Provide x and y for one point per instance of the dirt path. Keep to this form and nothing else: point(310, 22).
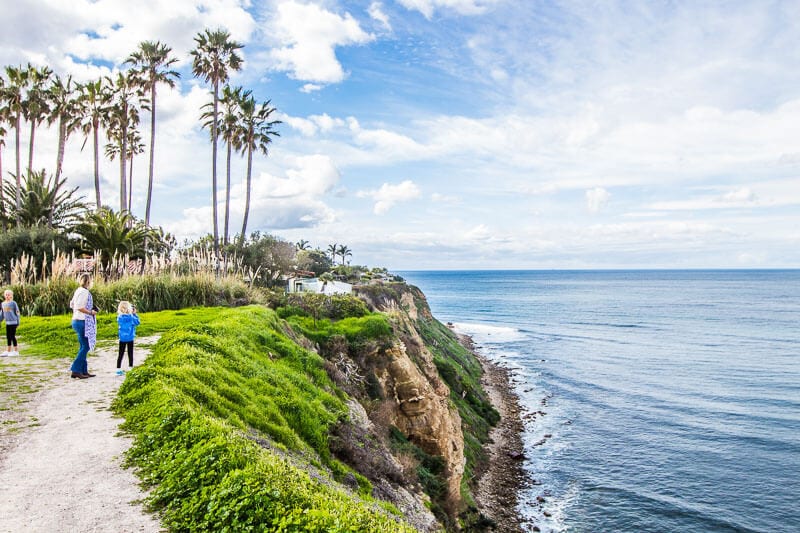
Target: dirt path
point(61, 449)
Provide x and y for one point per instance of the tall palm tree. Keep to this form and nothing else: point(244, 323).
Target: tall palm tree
point(3, 134)
point(2, 145)
point(302, 244)
point(124, 116)
point(215, 55)
point(344, 252)
point(13, 95)
point(228, 130)
point(36, 107)
point(63, 97)
point(64, 111)
point(333, 250)
point(151, 63)
point(135, 147)
point(94, 104)
point(257, 131)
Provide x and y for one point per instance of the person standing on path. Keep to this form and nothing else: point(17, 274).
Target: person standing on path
point(85, 326)
point(127, 319)
point(10, 313)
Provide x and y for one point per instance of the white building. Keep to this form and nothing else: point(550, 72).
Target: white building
point(318, 286)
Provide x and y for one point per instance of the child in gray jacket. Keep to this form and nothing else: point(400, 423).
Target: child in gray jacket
point(10, 313)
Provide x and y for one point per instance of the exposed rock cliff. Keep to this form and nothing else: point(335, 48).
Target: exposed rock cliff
point(401, 384)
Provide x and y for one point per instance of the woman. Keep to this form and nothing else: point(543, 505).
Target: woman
point(83, 322)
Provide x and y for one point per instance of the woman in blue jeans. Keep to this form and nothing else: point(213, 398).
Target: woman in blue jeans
point(85, 326)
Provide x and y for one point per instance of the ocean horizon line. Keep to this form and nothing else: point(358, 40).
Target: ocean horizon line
point(699, 269)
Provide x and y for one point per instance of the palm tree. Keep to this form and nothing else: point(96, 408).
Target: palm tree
point(151, 63)
point(12, 97)
point(135, 147)
point(112, 233)
point(214, 56)
point(257, 132)
point(333, 250)
point(2, 145)
point(94, 102)
point(228, 129)
point(302, 244)
point(124, 116)
point(344, 252)
point(45, 202)
point(3, 134)
point(35, 107)
point(64, 111)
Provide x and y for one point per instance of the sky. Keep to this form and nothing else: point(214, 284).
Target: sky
point(468, 134)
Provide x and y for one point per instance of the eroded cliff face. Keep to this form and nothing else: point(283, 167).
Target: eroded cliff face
point(416, 400)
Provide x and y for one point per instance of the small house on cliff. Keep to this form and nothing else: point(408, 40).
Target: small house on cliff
point(316, 285)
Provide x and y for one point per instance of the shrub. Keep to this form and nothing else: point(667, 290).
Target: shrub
point(148, 293)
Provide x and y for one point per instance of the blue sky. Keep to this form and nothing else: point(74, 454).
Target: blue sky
point(472, 133)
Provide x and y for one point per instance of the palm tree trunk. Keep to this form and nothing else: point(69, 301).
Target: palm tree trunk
point(214, 171)
point(97, 168)
point(17, 125)
point(152, 152)
point(62, 141)
point(247, 193)
point(30, 147)
point(130, 183)
point(123, 152)
point(227, 193)
point(2, 196)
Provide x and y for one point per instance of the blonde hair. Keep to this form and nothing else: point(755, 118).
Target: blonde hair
point(8, 292)
point(124, 308)
point(85, 280)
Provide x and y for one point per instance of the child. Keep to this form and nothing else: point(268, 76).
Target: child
point(127, 320)
point(10, 313)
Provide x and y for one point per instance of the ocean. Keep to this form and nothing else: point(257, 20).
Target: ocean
point(655, 400)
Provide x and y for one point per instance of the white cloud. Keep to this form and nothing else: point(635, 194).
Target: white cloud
point(313, 174)
point(445, 198)
point(65, 33)
point(462, 7)
point(309, 36)
point(315, 124)
point(277, 203)
point(376, 12)
point(743, 194)
point(389, 195)
point(596, 199)
point(311, 87)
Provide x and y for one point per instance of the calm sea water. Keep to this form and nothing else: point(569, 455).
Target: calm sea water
point(656, 400)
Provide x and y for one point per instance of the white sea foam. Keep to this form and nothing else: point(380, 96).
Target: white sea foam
point(489, 334)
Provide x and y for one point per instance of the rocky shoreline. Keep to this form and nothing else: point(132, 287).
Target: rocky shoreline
point(499, 483)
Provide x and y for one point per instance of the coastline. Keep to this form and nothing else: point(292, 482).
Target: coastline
point(499, 483)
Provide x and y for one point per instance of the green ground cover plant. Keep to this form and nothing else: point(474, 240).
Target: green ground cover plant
point(230, 421)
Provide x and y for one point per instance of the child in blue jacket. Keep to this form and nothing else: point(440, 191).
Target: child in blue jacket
point(127, 319)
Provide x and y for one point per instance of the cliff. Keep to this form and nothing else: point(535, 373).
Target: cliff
point(332, 413)
point(427, 386)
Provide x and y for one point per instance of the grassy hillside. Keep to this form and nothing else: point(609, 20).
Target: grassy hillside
point(230, 420)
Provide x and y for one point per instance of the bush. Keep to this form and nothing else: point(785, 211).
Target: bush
point(148, 293)
point(37, 242)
